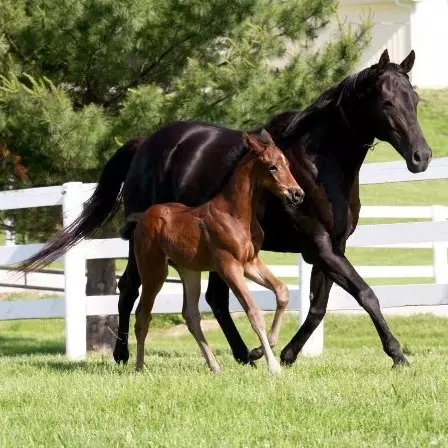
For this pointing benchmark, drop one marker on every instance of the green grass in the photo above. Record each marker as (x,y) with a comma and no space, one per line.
(350,397)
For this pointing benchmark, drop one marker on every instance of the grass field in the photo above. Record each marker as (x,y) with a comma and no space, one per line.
(350,397)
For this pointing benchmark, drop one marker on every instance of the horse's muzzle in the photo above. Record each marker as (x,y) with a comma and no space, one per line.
(295,196)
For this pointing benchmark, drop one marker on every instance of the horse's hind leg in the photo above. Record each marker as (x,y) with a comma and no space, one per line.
(233,273)
(260,273)
(128,285)
(191,281)
(154,272)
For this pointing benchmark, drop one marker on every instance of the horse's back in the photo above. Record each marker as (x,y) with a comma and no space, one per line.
(184,161)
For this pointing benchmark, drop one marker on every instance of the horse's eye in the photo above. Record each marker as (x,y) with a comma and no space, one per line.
(272,167)
(387,103)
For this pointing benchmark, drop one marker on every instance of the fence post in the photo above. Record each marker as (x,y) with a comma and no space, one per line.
(439,250)
(10,234)
(315,343)
(74,273)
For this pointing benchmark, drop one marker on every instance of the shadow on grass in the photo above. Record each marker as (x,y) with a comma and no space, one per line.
(99,367)
(105,364)
(19,346)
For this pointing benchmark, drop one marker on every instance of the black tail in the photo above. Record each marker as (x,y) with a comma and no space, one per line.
(127,229)
(99,209)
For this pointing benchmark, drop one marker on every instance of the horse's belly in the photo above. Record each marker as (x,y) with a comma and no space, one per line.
(188,249)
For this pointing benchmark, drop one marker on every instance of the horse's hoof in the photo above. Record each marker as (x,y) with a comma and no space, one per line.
(287,357)
(256,353)
(401,362)
(242,358)
(121,353)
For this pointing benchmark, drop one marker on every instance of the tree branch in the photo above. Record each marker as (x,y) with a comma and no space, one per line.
(144,73)
(14,47)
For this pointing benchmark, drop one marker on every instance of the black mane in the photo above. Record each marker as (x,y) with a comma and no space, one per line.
(354,86)
(288,124)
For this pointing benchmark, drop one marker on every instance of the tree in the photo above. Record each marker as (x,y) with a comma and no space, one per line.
(80,77)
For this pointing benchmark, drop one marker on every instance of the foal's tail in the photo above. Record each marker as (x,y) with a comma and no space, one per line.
(127,229)
(99,209)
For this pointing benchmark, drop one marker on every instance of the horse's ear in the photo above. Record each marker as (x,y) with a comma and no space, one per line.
(408,62)
(252,143)
(267,137)
(384,61)
(246,139)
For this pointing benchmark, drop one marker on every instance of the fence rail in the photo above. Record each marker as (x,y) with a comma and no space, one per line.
(75,306)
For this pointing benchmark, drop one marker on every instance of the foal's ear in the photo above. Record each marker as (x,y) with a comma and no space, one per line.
(253,143)
(384,61)
(408,62)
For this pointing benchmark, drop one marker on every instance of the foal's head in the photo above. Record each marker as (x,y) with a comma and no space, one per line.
(273,168)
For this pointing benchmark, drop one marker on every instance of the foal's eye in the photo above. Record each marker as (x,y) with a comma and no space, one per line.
(272,167)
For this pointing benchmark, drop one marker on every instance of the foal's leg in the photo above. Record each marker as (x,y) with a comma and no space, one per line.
(233,273)
(154,275)
(336,266)
(128,285)
(191,281)
(260,273)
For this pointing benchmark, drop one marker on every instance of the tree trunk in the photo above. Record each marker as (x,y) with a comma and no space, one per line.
(101,280)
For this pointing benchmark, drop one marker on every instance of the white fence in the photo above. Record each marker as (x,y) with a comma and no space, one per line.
(75,306)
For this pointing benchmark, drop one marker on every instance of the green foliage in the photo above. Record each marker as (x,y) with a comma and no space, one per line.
(80,76)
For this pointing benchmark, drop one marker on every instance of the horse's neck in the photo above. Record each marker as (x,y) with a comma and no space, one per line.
(344,139)
(241,192)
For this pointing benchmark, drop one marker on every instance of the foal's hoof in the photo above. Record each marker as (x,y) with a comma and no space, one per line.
(121,352)
(275,369)
(401,362)
(287,357)
(256,353)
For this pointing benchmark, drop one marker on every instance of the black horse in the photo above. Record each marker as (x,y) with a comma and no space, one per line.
(326,145)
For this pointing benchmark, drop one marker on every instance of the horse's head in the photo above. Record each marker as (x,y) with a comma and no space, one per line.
(393,110)
(273,168)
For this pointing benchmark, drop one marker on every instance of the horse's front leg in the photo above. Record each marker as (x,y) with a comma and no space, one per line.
(320,287)
(233,273)
(335,265)
(217,296)
(258,272)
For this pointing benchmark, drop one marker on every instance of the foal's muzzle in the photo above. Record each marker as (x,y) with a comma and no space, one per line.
(295,196)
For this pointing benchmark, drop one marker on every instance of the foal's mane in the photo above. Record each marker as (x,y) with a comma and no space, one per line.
(234,157)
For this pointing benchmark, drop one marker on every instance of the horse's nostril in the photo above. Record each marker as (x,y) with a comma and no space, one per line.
(297,196)
(417,157)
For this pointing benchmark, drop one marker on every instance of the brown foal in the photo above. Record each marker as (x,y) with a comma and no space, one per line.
(221,235)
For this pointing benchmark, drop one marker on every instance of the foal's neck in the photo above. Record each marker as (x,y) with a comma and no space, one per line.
(242,193)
